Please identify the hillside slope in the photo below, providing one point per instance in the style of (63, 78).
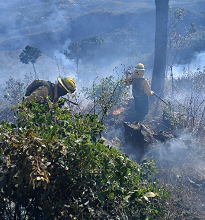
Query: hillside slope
(46, 67)
(52, 25)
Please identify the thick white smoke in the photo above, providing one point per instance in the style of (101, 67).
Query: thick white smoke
(197, 62)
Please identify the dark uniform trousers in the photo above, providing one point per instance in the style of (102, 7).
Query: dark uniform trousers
(141, 106)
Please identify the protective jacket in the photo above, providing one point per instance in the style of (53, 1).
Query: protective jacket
(140, 85)
(41, 89)
(140, 92)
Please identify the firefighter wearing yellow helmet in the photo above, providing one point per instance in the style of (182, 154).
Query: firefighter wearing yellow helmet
(41, 89)
(140, 91)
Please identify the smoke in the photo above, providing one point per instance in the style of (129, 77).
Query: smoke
(173, 151)
(180, 157)
(132, 152)
(197, 62)
(180, 164)
(61, 58)
(46, 25)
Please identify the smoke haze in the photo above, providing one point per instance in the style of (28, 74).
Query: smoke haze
(197, 62)
(52, 25)
(128, 30)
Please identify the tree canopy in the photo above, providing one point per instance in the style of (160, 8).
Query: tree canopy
(85, 48)
(30, 54)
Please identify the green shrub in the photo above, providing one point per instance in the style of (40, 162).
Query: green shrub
(55, 166)
(108, 93)
(174, 117)
(187, 108)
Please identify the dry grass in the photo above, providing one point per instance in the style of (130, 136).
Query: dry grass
(180, 162)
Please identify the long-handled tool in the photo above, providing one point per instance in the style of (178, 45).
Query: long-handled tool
(161, 99)
(72, 102)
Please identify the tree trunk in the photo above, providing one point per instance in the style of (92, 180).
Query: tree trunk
(34, 70)
(158, 75)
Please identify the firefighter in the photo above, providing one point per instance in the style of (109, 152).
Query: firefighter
(41, 90)
(140, 91)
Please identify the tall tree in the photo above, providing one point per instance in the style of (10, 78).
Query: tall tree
(30, 54)
(158, 75)
(74, 52)
(91, 44)
(85, 48)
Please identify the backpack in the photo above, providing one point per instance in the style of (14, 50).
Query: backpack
(137, 89)
(38, 83)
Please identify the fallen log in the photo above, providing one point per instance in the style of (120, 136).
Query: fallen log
(141, 137)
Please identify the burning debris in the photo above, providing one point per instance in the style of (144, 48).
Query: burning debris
(118, 111)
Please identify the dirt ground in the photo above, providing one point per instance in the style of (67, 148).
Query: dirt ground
(180, 162)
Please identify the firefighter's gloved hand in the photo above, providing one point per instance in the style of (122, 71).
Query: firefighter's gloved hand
(128, 81)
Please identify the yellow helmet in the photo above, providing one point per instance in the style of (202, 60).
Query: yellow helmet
(140, 66)
(68, 84)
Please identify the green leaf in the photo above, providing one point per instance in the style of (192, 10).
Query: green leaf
(150, 194)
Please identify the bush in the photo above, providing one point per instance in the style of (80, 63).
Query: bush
(105, 95)
(55, 166)
(187, 107)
